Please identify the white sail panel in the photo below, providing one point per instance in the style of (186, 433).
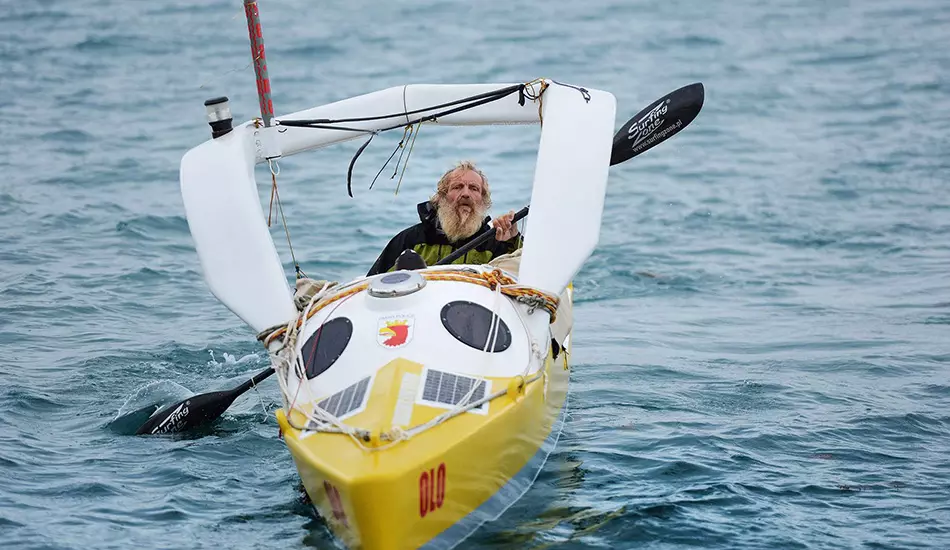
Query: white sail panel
(238, 257)
(237, 254)
(401, 99)
(570, 180)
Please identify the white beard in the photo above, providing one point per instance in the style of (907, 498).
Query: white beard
(458, 226)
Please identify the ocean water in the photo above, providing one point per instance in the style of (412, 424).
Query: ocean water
(762, 337)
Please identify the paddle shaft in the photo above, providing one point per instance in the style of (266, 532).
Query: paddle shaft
(481, 239)
(257, 379)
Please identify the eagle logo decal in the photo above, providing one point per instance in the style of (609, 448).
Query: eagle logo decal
(395, 332)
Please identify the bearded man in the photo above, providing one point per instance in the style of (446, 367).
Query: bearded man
(452, 217)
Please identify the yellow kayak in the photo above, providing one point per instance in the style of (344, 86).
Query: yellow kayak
(440, 438)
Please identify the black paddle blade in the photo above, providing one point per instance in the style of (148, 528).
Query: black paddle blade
(188, 414)
(198, 410)
(663, 119)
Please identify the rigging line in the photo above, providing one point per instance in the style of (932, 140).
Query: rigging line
(273, 190)
(231, 70)
(296, 357)
(263, 406)
(406, 164)
(408, 133)
(533, 94)
(544, 86)
(468, 105)
(280, 208)
(300, 124)
(433, 117)
(273, 178)
(349, 170)
(385, 164)
(584, 93)
(501, 92)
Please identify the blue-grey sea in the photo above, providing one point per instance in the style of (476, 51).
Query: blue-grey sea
(762, 336)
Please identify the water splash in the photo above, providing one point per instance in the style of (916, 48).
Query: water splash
(144, 402)
(229, 359)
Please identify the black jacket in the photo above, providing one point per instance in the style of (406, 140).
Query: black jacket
(427, 238)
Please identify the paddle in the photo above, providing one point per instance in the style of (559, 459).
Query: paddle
(198, 410)
(660, 121)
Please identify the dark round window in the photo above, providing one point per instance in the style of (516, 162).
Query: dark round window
(470, 322)
(326, 345)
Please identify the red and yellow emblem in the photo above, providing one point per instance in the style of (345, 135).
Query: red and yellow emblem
(394, 332)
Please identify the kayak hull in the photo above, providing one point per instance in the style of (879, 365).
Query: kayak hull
(435, 489)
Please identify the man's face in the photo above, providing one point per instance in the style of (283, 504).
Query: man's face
(462, 208)
(465, 193)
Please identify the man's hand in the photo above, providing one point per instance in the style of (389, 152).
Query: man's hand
(505, 229)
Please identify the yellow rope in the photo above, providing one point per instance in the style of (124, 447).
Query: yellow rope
(539, 97)
(490, 280)
(268, 337)
(273, 191)
(544, 86)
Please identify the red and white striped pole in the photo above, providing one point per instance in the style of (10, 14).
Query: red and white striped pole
(260, 62)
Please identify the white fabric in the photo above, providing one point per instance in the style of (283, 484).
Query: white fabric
(564, 320)
(238, 257)
(237, 254)
(570, 181)
(401, 99)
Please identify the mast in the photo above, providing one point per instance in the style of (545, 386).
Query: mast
(260, 61)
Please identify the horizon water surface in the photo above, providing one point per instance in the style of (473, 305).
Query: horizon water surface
(761, 344)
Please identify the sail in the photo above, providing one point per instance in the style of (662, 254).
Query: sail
(226, 219)
(238, 257)
(570, 181)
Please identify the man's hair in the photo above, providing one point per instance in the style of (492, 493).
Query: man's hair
(442, 189)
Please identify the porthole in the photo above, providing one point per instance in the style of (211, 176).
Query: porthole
(326, 345)
(396, 284)
(470, 324)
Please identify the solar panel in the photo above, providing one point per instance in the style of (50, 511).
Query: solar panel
(446, 388)
(346, 401)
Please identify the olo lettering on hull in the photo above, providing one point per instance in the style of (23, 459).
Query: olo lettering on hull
(431, 490)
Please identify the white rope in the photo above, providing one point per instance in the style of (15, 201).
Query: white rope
(493, 330)
(463, 404)
(322, 420)
(261, 399)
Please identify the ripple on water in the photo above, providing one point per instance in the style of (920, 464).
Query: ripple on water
(759, 352)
